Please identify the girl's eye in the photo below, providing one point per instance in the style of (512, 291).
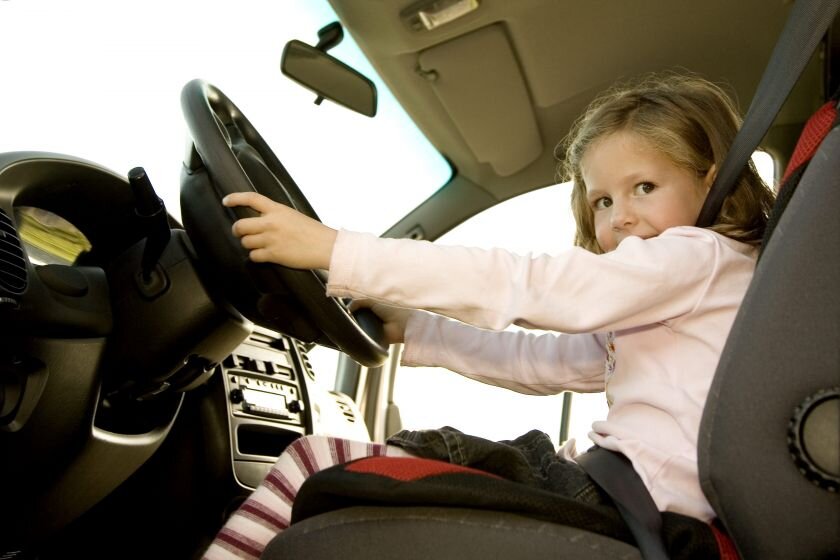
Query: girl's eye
(602, 203)
(644, 188)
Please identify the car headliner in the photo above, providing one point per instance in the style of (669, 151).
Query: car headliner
(497, 89)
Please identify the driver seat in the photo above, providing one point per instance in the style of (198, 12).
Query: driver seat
(769, 445)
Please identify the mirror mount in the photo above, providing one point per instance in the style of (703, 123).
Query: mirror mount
(329, 36)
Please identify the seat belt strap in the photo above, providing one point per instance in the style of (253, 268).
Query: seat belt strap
(804, 29)
(614, 473)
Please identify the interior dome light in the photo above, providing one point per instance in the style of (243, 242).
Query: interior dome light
(431, 14)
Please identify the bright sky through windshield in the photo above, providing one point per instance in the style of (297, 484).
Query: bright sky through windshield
(101, 80)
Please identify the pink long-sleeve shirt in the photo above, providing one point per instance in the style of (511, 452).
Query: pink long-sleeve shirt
(646, 323)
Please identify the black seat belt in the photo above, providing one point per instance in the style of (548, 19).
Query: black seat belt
(805, 27)
(614, 473)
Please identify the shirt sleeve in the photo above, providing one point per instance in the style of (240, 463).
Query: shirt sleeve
(640, 283)
(529, 363)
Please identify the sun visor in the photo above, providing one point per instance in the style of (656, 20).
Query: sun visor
(479, 83)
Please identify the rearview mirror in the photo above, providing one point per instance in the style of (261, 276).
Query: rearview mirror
(328, 77)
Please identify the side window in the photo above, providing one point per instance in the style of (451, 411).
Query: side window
(766, 167)
(536, 222)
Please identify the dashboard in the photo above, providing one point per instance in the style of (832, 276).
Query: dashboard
(119, 352)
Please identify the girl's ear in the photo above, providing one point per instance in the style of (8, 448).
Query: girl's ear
(710, 177)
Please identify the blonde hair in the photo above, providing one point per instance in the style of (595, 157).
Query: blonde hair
(688, 119)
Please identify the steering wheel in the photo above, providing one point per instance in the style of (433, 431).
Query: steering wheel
(229, 155)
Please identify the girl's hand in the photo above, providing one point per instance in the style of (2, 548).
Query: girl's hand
(393, 318)
(281, 235)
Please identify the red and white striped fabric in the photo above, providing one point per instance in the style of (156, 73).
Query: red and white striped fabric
(268, 510)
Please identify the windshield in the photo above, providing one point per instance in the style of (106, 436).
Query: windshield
(101, 80)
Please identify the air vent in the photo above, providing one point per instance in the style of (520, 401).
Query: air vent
(12, 260)
(304, 358)
(345, 406)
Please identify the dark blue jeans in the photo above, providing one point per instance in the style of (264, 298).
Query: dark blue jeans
(529, 459)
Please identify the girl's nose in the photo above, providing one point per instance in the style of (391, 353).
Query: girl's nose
(621, 216)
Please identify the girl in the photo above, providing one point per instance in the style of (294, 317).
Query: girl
(645, 301)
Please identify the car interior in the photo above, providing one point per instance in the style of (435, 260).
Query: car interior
(150, 374)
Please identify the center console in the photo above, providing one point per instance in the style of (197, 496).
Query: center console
(273, 399)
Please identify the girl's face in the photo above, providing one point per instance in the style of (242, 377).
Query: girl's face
(634, 190)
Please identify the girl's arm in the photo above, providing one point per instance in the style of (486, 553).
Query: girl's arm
(642, 282)
(528, 363)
